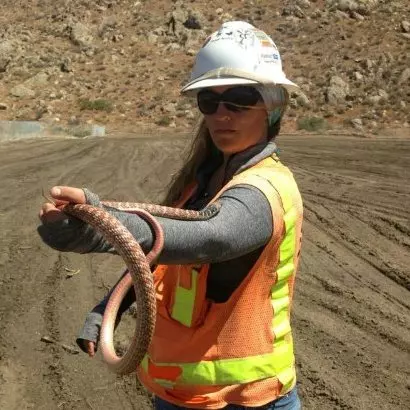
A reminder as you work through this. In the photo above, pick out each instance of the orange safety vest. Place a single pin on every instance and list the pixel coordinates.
(205, 354)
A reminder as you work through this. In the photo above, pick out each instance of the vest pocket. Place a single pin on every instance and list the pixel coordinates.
(189, 304)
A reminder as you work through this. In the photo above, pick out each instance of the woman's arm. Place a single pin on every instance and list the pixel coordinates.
(243, 224)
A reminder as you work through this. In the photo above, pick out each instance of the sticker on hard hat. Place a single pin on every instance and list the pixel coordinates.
(243, 37)
(270, 57)
(264, 39)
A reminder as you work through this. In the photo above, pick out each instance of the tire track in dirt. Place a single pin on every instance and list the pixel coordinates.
(392, 230)
(359, 248)
(331, 230)
(56, 371)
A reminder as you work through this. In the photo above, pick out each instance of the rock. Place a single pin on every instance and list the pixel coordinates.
(3, 107)
(107, 26)
(337, 91)
(189, 114)
(383, 94)
(357, 123)
(80, 36)
(346, 5)
(191, 39)
(293, 10)
(47, 339)
(159, 31)
(349, 6)
(174, 47)
(404, 76)
(317, 13)
(65, 65)
(405, 26)
(170, 108)
(356, 16)
(302, 100)
(192, 23)
(182, 19)
(70, 349)
(341, 14)
(375, 99)
(21, 91)
(152, 38)
(293, 103)
(6, 54)
(358, 76)
(39, 79)
(226, 17)
(73, 120)
(304, 4)
(176, 19)
(367, 64)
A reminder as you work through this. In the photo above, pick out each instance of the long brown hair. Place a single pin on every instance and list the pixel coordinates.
(199, 151)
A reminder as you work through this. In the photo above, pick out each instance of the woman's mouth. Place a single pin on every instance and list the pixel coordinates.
(225, 131)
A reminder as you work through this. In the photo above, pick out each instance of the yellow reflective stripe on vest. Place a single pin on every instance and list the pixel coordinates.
(144, 363)
(283, 345)
(228, 371)
(288, 247)
(184, 301)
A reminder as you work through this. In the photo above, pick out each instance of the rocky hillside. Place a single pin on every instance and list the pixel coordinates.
(121, 62)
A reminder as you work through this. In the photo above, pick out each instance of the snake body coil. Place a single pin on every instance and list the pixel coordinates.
(139, 273)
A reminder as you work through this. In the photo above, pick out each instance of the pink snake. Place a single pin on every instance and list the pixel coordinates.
(139, 273)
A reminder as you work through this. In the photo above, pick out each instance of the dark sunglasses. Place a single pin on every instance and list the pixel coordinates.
(235, 99)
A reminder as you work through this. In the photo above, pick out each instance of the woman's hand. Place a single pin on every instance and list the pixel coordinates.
(61, 231)
(60, 195)
(89, 335)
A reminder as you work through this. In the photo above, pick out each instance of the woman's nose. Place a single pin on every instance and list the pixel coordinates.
(222, 113)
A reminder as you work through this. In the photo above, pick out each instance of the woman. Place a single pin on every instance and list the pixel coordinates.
(225, 285)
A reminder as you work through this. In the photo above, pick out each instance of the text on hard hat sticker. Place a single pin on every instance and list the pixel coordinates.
(270, 56)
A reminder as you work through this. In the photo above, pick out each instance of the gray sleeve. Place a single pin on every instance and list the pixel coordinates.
(243, 224)
(92, 325)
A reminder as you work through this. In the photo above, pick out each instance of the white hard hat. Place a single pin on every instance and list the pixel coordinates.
(238, 53)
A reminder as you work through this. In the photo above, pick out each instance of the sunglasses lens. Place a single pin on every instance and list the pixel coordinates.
(242, 96)
(207, 102)
(235, 99)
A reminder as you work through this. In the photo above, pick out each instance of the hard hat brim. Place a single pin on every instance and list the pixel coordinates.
(194, 86)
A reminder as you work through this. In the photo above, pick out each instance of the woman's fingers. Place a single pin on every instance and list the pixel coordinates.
(90, 348)
(50, 213)
(68, 194)
(60, 195)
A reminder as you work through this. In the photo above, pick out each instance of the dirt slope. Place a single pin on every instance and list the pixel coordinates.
(121, 62)
(351, 314)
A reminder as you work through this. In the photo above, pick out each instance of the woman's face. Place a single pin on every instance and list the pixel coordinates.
(234, 132)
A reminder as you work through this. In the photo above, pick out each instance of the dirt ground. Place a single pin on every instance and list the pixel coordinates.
(351, 313)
